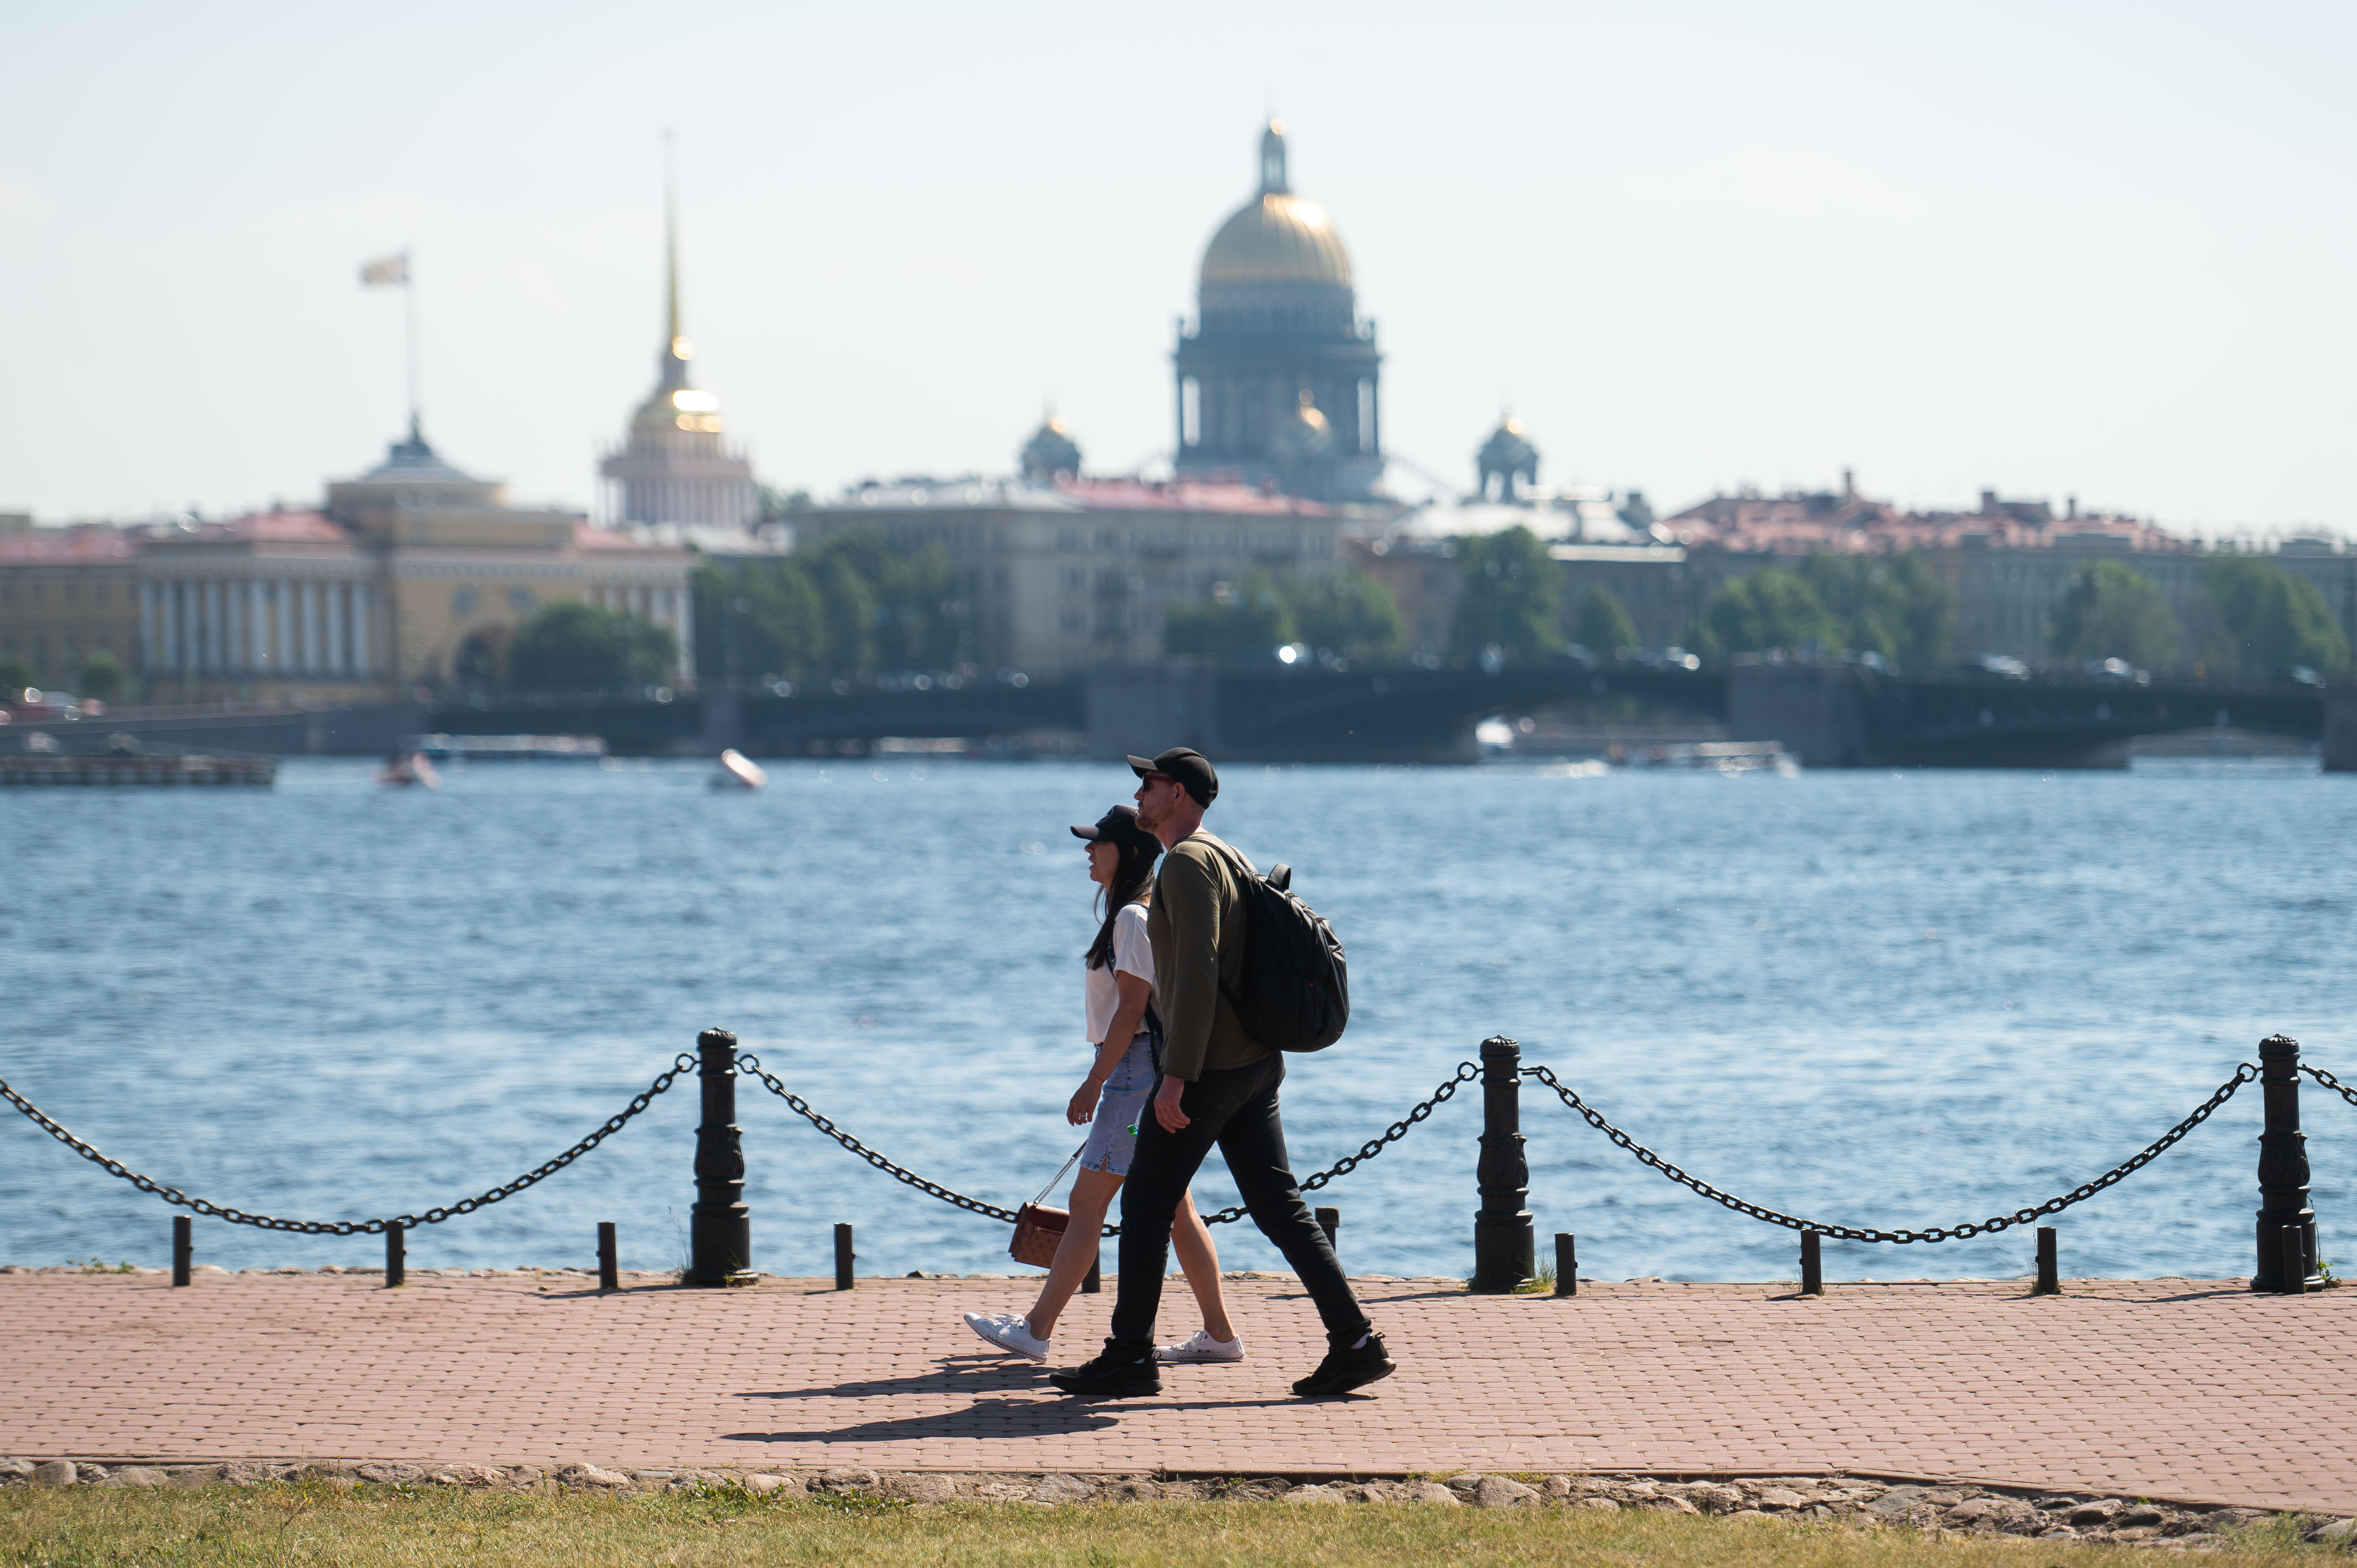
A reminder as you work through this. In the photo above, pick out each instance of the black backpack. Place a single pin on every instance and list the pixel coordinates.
(1295, 994)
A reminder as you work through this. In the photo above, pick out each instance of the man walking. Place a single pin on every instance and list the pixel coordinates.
(1219, 1087)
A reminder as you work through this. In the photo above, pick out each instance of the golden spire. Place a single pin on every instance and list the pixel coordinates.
(675, 344)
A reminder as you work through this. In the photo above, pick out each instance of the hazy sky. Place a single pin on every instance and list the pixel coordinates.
(2101, 249)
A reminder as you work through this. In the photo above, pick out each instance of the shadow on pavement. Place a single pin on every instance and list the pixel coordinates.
(995, 1419)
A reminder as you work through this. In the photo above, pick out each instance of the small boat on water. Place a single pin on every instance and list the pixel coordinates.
(738, 771)
(407, 767)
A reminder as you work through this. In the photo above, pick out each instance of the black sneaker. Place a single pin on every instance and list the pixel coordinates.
(1343, 1371)
(1108, 1378)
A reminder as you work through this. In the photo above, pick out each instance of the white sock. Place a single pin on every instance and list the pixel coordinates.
(1362, 1345)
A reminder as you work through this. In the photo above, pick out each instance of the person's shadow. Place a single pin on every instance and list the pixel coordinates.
(990, 1383)
(985, 1418)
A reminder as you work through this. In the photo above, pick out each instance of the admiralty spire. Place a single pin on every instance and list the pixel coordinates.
(675, 466)
(1278, 376)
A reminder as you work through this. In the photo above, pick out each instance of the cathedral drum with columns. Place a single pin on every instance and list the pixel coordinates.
(1279, 380)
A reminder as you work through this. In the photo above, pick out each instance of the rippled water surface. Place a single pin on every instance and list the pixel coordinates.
(1895, 1000)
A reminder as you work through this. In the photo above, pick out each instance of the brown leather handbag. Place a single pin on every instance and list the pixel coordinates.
(1039, 1229)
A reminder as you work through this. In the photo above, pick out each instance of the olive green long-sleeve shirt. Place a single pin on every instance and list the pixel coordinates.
(1196, 923)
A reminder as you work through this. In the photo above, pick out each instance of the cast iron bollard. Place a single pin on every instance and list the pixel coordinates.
(719, 1234)
(843, 1256)
(1094, 1283)
(2283, 1174)
(609, 1267)
(184, 1250)
(1813, 1263)
(396, 1262)
(2295, 1262)
(1504, 1246)
(1329, 1220)
(1567, 1263)
(2050, 1270)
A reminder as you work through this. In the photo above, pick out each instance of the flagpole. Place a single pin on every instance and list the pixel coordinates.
(409, 298)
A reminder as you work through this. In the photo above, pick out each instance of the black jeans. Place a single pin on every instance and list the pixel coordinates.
(1235, 1108)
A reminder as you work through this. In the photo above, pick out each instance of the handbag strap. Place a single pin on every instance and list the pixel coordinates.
(1060, 1174)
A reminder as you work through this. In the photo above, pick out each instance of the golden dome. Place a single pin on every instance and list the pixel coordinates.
(1276, 238)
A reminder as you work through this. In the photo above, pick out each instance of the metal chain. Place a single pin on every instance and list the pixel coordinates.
(749, 1063)
(684, 1063)
(746, 1062)
(2243, 1074)
(2331, 1082)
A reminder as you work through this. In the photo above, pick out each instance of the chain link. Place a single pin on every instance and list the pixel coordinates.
(2225, 1092)
(684, 1063)
(749, 1063)
(2331, 1082)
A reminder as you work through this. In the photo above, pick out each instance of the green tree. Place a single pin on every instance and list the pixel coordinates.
(1240, 619)
(101, 677)
(848, 607)
(1348, 613)
(17, 672)
(2111, 610)
(760, 617)
(1771, 608)
(777, 505)
(1511, 588)
(1602, 623)
(1893, 606)
(2273, 620)
(575, 647)
(887, 609)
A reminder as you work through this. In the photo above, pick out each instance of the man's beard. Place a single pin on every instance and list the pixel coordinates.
(1151, 818)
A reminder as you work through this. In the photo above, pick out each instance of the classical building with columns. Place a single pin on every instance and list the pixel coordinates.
(415, 574)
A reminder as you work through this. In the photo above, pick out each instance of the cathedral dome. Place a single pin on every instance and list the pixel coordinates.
(1277, 236)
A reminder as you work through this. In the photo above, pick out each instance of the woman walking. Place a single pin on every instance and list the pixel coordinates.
(1110, 1100)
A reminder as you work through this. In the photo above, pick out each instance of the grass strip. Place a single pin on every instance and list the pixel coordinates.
(303, 1524)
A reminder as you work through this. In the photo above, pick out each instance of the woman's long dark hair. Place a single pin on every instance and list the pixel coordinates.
(1130, 876)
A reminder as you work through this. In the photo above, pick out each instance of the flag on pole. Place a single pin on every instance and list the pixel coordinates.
(390, 271)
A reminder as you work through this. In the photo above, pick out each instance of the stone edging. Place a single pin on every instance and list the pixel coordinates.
(1838, 1501)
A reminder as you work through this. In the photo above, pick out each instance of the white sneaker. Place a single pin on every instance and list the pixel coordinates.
(1200, 1346)
(1008, 1331)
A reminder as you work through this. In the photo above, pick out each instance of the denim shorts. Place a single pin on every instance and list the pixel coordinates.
(1112, 1134)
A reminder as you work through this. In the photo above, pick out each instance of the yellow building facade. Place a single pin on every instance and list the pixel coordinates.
(414, 575)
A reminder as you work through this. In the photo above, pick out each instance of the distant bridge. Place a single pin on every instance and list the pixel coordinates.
(1828, 716)
(1843, 715)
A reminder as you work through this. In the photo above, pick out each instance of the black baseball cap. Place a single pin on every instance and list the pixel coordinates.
(1119, 827)
(1190, 768)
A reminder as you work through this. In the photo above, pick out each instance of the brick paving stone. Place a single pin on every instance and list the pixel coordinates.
(2190, 1389)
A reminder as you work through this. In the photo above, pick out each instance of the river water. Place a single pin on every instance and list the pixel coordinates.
(1870, 998)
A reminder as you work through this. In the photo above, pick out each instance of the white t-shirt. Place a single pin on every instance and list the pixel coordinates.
(1133, 953)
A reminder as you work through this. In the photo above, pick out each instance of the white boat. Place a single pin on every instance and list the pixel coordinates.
(738, 771)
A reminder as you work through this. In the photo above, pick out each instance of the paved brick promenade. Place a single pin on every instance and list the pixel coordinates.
(2194, 1391)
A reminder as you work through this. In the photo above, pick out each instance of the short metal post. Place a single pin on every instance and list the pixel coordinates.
(2050, 1270)
(395, 1259)
(719, 1234)
(1094, 1283)
(1504, 1246)
(184, 1250)
(1567, 1263)
(842, 1255)
(609, 1268)
(1329, 1220)
(2283, 1173)
(2295, 1262)
(1813, 1263)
